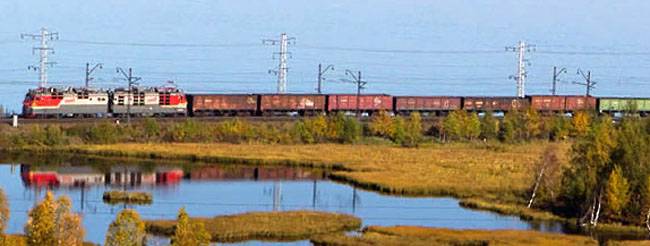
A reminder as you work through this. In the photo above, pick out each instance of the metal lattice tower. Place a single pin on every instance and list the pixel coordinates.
(521, 50)
(283, 56)
(44, 37)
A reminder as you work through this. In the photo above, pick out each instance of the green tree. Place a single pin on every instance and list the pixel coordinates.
(413, 130)
(398, 133)
(617, 192)
(453, 125)
(189, 233)
(584, 181)
(472, 126)
(489, 126)
(560, 127)
(41, 225)
(335, 126)
(54, 136)
(351, 132)
(532, 123)
(126, 230)
(511, 127)
(381, 125)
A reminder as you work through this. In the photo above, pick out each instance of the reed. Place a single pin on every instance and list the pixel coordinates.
(128, 197)
(266, 226)
(412, 235)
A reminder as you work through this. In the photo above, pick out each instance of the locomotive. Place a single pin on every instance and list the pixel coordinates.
(86, 102)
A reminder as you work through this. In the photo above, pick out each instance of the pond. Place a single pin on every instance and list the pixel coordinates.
(223, 189)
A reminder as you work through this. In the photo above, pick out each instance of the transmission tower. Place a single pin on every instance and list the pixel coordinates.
(521, 50)
(282, 70)
(556, 75)
(44, 37)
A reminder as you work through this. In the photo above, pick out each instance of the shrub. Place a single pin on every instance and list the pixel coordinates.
(189, 233)
(103, 133)
(381, 125)
(489, 126)
(150, 129)
(127, 230)
(235, 131)
(351, 132)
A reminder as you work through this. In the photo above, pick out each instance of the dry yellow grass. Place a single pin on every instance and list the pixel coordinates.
(461, 170)
(272, 226)
(410, 235)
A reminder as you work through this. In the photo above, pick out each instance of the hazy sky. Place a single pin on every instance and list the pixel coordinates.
(402, 47)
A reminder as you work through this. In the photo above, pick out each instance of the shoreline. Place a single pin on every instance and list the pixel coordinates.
(340, 173)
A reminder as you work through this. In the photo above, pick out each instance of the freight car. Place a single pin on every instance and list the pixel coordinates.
(427, 105)
(368, 103)
(69, 102)
(556, 104)
(494, 104)
(223, 104)
(303, 104)
(611, 105)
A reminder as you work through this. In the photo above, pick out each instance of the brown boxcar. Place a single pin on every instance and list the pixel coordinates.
(577, 103)
(367, 102)
(292, 103)
(548, 103)
(426, 103)
(221, 104)
(494, 103)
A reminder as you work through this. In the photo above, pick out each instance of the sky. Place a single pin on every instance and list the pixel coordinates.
(411, 47)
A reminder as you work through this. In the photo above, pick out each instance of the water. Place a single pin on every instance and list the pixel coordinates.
(210, 190)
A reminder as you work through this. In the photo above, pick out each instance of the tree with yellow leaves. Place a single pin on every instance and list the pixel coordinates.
(4, 215)
(189, 233)
(580, 123)
(617, 192)
(381, 124)
(53, 223)
(127, 230)
(41, 225)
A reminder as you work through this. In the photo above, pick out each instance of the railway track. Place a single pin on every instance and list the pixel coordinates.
(27, 121)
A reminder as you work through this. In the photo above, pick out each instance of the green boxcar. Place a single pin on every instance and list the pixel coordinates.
(623, 104)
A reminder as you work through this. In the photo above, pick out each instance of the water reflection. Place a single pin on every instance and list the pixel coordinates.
(210, 190)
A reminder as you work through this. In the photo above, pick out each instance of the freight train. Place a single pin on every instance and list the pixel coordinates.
(170, 101)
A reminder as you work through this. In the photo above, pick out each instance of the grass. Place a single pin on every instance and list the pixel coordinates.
(21, 240)
(411, 235)
(510, 209)
(128, 197)
(459, 170)
(266, 226)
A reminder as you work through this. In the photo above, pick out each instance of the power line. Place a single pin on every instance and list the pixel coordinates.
(162, 45)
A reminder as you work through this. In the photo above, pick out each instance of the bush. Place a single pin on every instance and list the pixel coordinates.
(189, 233)
(351, 132)
(187, 131)
(235, 131)
(381, 125)
(104, 133)
(127, 230)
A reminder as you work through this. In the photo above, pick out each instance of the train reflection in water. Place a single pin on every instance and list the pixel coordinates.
(83, 176)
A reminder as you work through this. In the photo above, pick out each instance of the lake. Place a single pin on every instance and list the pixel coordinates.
(223, 189)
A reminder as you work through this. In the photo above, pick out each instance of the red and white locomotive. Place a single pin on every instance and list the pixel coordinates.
(84, 102)
(44, 102)
(163, 101)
